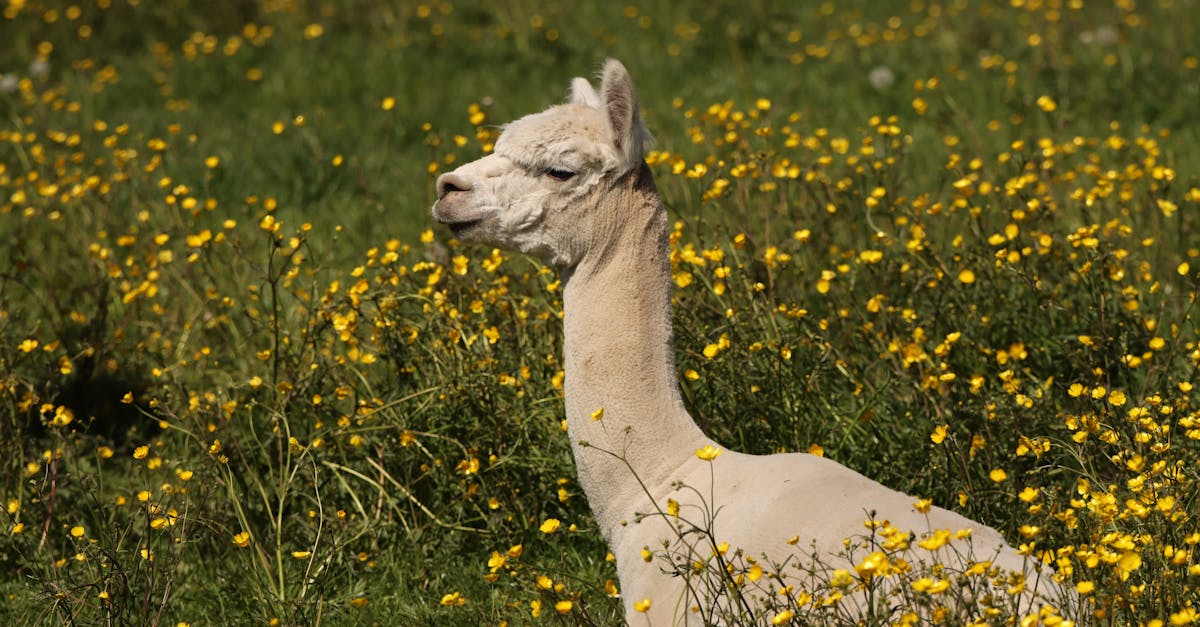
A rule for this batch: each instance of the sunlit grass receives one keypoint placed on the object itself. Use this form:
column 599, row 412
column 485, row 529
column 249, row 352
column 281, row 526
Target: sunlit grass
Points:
column 243, row 380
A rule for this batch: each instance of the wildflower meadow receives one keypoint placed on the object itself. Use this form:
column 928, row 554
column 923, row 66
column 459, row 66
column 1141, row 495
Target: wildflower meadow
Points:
column 246, row 380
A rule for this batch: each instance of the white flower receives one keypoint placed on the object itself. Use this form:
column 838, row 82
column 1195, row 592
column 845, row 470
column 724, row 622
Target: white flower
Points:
column 881, row 77
column 1102, row 36
column 39, row 68
column 9, row 83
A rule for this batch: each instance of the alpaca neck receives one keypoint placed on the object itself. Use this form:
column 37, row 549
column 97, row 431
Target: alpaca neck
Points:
column 618, row 356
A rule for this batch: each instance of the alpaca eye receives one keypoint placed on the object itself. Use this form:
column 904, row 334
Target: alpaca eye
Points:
column 558, row 174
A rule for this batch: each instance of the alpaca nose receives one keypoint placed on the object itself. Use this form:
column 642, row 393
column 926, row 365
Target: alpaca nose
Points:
column 451, row 182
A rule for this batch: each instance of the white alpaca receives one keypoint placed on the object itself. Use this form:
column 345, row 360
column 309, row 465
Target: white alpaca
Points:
column 570, row 186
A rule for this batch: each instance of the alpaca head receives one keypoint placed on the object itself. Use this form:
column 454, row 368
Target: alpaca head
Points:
column 543, row 186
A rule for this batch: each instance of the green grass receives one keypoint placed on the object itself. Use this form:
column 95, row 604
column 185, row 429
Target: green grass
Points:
column 387, row 402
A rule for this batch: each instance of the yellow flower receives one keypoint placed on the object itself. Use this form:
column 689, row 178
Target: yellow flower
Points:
column 782, row 618
column 642, row 606
column 242, row 539
column 77, row 531
column 550, row 525
column 454, row 599
column 1129, row 561
column 358, row 602
column 936, row 540
column 301, row 554
column 563, row 607
column 388, row 103
column 939, row 434
column 1046, row 103
column 598, row 414
column 873, row 565
column 461, row 264
column 496, row 561
column 841, row 578
column 998, row 475
column 1085, row 587
column 1186, row 616
column 929, row 586
column 62, row 416
column 708, row 453
column 141, row 452
column 870, row 256
column 966, row 277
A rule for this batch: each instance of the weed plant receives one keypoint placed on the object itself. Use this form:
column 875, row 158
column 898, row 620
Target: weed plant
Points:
column 242, row 381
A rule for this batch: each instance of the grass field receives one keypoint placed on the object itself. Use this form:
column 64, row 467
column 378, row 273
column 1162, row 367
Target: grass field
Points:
column 246, row 380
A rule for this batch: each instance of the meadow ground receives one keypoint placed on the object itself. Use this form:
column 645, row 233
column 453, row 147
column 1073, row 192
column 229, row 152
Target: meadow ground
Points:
column 245, row 380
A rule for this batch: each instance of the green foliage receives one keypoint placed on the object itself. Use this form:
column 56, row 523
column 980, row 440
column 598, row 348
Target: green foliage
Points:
column 948, row 245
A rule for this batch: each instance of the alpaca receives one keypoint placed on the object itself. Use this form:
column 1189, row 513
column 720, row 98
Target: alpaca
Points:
column 569, row 185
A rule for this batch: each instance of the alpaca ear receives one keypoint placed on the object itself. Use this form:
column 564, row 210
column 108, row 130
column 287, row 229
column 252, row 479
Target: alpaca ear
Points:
column 624, row 118
column 583, row 93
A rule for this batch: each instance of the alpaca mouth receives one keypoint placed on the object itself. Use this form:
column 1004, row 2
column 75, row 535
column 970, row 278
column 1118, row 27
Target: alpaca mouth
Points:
column 452, row 215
